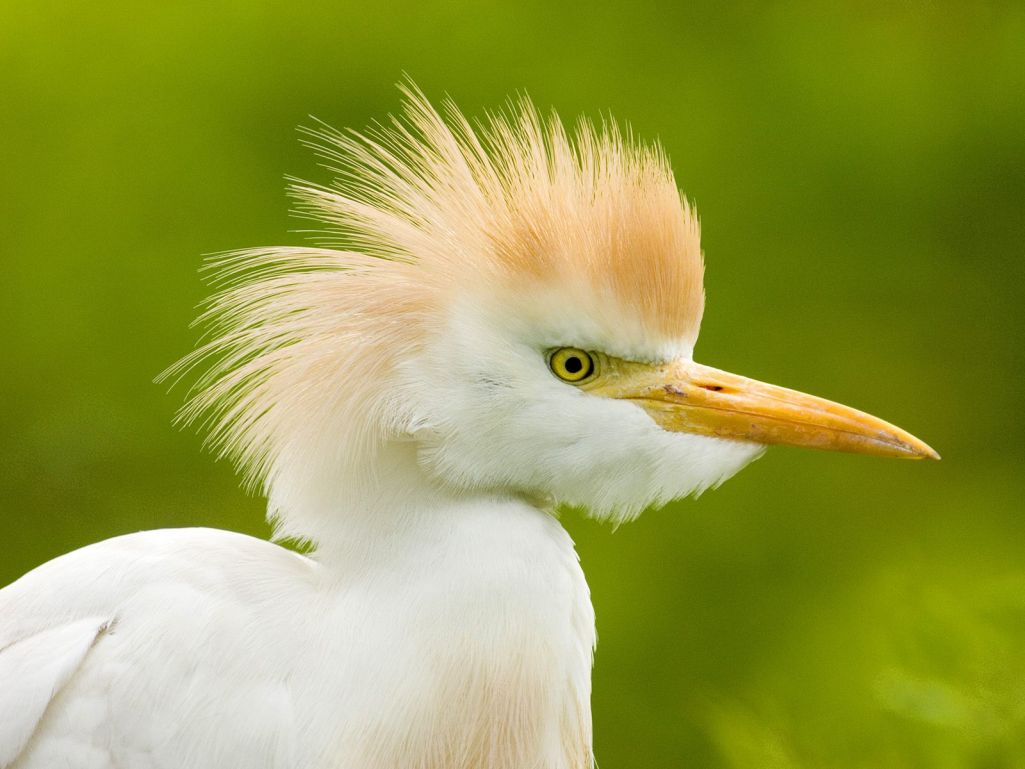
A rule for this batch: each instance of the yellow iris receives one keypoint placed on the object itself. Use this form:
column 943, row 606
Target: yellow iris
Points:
column 571, row 365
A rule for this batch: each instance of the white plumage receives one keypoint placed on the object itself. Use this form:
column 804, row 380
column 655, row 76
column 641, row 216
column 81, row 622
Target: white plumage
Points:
column 501, row 320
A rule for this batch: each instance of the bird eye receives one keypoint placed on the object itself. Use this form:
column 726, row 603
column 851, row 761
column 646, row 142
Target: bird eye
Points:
column 571, row 365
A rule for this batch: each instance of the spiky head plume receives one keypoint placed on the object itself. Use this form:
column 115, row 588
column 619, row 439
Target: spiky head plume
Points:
column 424, row 212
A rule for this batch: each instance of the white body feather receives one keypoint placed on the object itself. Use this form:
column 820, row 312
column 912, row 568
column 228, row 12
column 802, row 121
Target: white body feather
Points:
column 462, row 640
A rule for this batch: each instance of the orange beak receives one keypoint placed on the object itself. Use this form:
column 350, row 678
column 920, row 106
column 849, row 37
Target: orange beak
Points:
column 689, row 397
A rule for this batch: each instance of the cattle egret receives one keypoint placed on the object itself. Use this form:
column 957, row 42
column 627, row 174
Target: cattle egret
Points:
column 500, row 320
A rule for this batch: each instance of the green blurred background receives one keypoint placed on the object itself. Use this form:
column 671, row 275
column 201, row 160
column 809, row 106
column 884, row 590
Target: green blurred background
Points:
column 860, row 173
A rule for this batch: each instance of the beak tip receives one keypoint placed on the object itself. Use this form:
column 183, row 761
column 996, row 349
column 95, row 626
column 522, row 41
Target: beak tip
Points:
column 920, row 450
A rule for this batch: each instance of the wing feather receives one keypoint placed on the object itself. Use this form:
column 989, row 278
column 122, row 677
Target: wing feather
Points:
column 33, row 670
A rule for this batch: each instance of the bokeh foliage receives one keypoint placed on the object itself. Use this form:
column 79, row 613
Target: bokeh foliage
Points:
column 860, row 171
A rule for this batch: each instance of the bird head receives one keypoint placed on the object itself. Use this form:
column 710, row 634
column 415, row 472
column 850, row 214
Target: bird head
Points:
column 511, row 305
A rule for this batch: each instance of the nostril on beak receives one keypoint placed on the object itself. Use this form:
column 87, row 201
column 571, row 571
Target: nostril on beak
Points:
column 712, row 387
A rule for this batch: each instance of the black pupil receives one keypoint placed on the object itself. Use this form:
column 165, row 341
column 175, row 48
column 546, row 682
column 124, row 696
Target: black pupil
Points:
column 574, row 365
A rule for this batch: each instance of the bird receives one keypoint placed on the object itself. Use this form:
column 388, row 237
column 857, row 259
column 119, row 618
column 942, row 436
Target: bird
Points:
column 494, row 319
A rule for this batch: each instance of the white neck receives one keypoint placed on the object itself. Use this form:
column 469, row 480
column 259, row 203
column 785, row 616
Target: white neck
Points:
column 375, row 504
column 490, row 591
